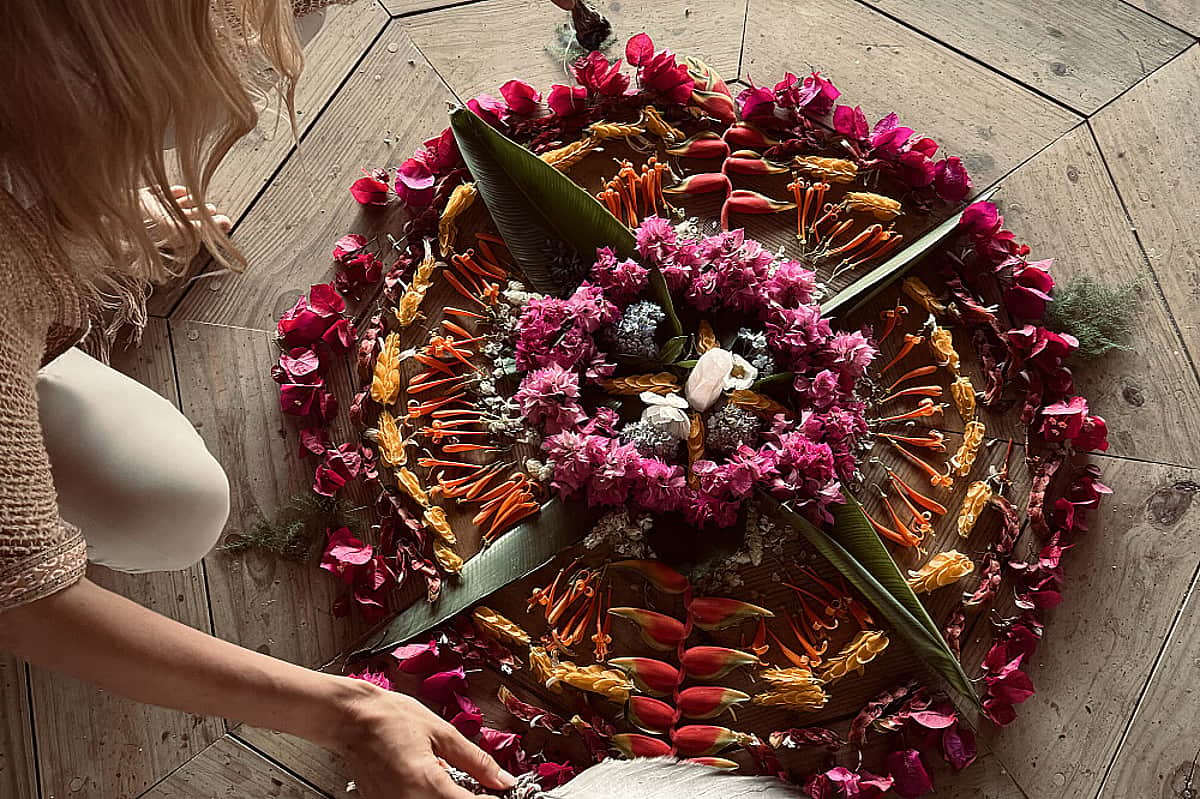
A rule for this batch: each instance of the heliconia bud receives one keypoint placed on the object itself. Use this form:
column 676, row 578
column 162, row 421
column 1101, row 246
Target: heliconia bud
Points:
column 708, row 701
column 703, row 145
column 710, row 93
column 651, row 715
column 649, row 675
column 748, row 162
column 722, row 763
column 702, row 183
column 744, row 201
column 698, row 740
column 658, row 630
column 743, row 134
column 717, row 613
column 657, row 573
column 632, row 744
column 713, row 662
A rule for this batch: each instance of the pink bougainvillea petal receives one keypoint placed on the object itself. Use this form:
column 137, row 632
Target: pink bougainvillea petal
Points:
column 639, row 49
column 369, row 191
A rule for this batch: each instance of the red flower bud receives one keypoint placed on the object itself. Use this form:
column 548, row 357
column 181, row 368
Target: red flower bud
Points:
column 698, row 740
column 708, row 701
column 702, row 183
column 717, row 613
column 748, row 162
column 658, row 630
column 631, row 744
column 744, row 201
column 713, row 662
column 743, row 134
column 657, row 573
column 703, row 145
column 652, row 676
column 651, row 715
column 722, row 763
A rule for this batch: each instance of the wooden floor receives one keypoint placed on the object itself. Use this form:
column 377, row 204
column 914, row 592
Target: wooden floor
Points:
column 1084, row 109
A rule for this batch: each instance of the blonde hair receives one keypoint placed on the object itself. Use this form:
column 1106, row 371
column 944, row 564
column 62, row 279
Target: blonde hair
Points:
column 92, row 91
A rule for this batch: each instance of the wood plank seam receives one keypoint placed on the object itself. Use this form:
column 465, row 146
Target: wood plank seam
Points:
column 270, row 179
column 437, row 72
column 175, row 770
column 742, row 50
column 33, row 739
column 1154, row 669
column 441, row 7
column 278, row 764
column 1145, row 254
column 971, row 58
column 1168, row 23
column 1133, row 86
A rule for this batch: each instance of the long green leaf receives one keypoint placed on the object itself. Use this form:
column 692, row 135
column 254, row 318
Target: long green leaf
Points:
column 863, row 289
column 514, row 555
column 533, row 204
column 662, row 295
column 873, row 573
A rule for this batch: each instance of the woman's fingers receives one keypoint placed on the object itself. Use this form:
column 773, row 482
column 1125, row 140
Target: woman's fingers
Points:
column 462, row 754
column 445, row 788
column 223, row 222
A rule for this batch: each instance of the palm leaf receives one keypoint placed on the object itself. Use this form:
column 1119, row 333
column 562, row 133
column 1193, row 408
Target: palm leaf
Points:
column 515, row 554
column 856, row 552
column 866, row 287
column 533, row 204
column 662, row 295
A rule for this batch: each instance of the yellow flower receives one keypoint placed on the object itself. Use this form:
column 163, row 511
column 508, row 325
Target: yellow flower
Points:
column 498, row 627
column 611, row 684
column 794, row 689
column 385, row 386
column 854, row 657
column 962, row 461
column 411, row 485
column 915, row 287
column 944, row 568
column 447, row 558
column 963, row 394
column 834, row 170
column 435, row 519
column 393, row 449
column 460, row 200
column 941, row 343
column 978, row 494
column 882, row 208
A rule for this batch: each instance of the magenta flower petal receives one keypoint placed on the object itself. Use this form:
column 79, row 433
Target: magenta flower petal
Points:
column 639, row 49
column 369, row 191
column 566, row 100
column 522, row 98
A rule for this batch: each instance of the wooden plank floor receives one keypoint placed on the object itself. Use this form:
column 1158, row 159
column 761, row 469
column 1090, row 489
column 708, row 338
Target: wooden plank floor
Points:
column 1084, row 111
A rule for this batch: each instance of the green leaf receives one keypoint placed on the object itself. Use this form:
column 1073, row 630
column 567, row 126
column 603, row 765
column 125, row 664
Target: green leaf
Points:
column 671, row 351
column 532, row 203
column 688, row 364
column 779, row 378
column 854, row 549
column 515, row 554
column 661, row 293
column 866, row 287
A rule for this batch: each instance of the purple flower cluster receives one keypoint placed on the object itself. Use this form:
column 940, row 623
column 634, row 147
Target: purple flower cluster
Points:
column 801, row 458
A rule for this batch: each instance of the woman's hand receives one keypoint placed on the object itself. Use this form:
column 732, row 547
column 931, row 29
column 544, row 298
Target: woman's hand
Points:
column 393, row 744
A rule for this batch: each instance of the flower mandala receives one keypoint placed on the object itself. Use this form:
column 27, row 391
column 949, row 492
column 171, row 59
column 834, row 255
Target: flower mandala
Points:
column 719, row 374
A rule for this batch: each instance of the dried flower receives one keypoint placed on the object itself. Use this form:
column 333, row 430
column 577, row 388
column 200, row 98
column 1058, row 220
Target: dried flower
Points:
column 833, row 170
column 499, row 628
column 941, row 344
column 962, row 461
column 915, row 287
column 385, row 386
column 793, row 688
column 882, row 208
column 855, row 655
column 944, row 568
column 963, row 394
column 978, row 494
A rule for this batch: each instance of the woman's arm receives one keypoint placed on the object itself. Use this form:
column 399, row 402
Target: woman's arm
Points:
column 391, row 741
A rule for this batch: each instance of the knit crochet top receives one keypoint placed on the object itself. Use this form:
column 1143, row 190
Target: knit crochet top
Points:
column 44, row 314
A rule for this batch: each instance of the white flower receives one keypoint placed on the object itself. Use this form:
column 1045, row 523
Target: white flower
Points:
column 666, row 413
column 741, row 376
column 717, row 370
column 707, row 380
